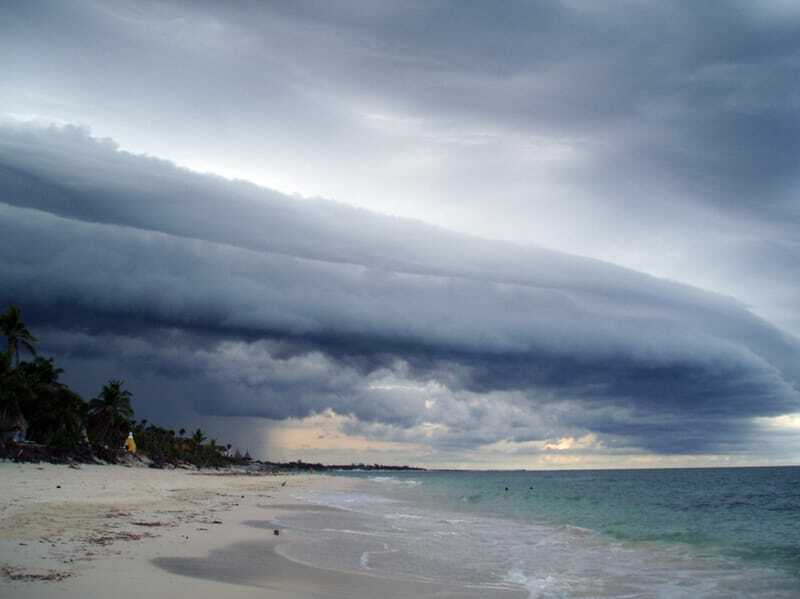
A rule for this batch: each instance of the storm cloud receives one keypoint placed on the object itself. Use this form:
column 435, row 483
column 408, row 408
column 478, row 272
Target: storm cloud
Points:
column 661, row 136
column 594, row 231
column 233, row 300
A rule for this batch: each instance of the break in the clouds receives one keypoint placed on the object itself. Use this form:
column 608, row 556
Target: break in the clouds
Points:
column 659, row 140
column 222, row 298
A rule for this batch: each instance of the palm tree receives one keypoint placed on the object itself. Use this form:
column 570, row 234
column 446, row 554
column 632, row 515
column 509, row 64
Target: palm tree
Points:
column 13, row 391
column 58, row 418
column 198, row 437
column 112, row 408
column 41, row 374
column 49, row 406
column 13, row 327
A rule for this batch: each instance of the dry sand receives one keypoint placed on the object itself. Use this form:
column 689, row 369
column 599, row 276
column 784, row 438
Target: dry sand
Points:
column 119, row 532
column 95, row 531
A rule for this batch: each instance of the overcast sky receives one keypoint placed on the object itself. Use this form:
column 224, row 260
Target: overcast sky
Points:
column 532, row 234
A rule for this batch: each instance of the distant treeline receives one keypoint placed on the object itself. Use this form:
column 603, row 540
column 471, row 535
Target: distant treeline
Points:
column 299, row 465
column 41, row 418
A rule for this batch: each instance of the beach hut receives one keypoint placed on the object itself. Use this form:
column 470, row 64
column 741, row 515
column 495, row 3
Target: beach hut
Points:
column 130, row 444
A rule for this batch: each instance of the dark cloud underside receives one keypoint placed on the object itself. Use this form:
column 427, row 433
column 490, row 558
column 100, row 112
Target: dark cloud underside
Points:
column 248, row 303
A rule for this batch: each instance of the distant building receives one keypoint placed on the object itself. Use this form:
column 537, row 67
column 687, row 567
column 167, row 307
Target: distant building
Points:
column 130, row 444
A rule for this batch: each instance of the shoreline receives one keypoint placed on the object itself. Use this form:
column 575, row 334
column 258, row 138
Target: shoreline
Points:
column 99, row 531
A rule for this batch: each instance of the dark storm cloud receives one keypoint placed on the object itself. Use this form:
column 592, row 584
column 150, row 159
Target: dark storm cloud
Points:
column 233, row 300
column 659, row 135
column 705, row 93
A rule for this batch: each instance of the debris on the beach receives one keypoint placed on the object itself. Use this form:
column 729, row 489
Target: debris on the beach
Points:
column 107, row 539
column 116, row 514
column 276, row 532
column 20, row 574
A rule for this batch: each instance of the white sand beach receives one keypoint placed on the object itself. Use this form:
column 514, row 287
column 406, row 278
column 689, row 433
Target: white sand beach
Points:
column 115, row 531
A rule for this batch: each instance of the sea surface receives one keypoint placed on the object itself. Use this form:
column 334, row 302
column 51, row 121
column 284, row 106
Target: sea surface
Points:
column 732, row 532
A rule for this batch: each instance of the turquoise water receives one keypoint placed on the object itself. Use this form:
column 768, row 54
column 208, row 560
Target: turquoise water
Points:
column 710, row 533
column 749, row 513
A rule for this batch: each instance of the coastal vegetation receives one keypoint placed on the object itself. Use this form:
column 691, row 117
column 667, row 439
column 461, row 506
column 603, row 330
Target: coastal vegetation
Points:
column 42, row 418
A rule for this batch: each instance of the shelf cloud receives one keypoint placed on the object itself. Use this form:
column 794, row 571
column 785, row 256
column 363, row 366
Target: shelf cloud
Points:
column 228, row 299
column 560, row 228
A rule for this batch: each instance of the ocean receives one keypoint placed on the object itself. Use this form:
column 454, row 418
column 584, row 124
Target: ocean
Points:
column 727, row 532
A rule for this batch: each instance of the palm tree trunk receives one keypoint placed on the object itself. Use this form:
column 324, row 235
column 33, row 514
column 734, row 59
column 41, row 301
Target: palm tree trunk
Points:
column 106, row 428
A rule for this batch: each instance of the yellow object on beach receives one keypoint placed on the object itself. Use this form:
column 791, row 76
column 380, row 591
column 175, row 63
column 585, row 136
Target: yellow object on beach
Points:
column 130, row 444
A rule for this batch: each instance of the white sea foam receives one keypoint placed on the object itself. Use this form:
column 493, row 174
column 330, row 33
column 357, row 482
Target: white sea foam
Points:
column 456, row 521
column 393, row 480
column 536, row 586
column 348, row 531
column 342, row 500
column 365, row 557
column 548, row 561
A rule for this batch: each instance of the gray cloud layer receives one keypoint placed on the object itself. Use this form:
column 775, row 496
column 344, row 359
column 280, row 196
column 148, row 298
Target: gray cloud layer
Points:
column 662, row 136
column 230, row 299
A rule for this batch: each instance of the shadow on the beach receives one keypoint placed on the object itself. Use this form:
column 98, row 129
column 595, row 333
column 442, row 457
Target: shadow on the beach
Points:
column 257, row 564
column 287, row 507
